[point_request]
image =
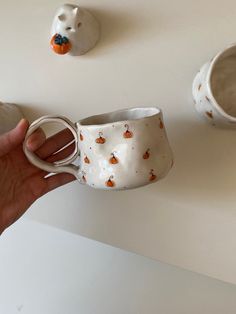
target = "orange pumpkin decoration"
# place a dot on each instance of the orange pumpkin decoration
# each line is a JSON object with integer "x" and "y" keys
{"x": 152, "y": 175}
{"x": 127, "y": 133}
{"x": 110, "y": 183}
{"x": 113, "y": 160}
{"x": 209, "y": 114}
{"x": 161, "y": 124}
{"x": 100, "y": 139}
{"x": 147, "y": 154}
{"x": 86, "y": 160}
{"x": 81, "y": 136}
{"x": 60, "y": 44}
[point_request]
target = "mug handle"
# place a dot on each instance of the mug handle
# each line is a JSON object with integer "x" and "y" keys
{"x": 63, "y": 165}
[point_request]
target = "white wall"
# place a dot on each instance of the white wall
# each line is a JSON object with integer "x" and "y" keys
{"x": 148, "y": 55}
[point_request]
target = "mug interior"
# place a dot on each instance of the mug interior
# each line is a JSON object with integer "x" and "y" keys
{"x": 121, "y": 115}
{"x": 223, "y": 81}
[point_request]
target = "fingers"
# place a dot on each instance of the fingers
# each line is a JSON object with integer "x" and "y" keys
{"x": 62, "y": 153}
{"x": 58, "y": 180}
{"x": 13, "y": 138}
{"x": 36, "y": 140}
{"x": 58, "y": 156}
{"x": 54, "y": 143}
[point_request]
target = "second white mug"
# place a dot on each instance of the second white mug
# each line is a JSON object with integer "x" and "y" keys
{"x": 214, "y": 89}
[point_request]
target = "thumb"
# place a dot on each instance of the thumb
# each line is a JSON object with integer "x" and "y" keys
{"x": 13, "y": 138}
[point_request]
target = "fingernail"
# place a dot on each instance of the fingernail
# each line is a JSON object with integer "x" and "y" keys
{"x": 22, "y": 123}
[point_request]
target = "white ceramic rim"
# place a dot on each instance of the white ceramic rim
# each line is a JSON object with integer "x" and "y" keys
{"x": 157, "y": 110}
{"x": 64, "y": 165}
{"x": 208, "y": 85}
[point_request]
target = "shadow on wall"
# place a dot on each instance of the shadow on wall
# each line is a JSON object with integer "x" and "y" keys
{"x": 119, "y": 27}
{"x": 204, "y": 169}
{"x": 32, "y": 113}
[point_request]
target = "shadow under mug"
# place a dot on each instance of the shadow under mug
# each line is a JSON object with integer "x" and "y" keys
{"x": 124, "y": 149}
{"x": 214, "y": 89}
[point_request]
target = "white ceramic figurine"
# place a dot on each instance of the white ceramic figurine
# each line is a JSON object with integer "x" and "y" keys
{"x": 74, "y": 30}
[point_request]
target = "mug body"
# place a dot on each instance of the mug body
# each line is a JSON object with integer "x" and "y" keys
{"x": 214, "y": 89}
{"x": 123, "y": 149}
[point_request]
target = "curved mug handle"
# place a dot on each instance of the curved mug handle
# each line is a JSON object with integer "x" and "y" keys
{"x": 58, "y": 166}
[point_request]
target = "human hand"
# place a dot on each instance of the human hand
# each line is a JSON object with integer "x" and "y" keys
{"x": 21, "y": 183}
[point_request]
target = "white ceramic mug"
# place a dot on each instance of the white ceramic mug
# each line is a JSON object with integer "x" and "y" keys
{"x": 214, "y": 89}
{"x": 119, "y": 150}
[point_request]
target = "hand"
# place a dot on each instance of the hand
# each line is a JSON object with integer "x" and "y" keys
{"x": 21, "y": 183}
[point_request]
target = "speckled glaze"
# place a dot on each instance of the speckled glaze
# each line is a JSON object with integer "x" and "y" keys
{"x": 214, "y": 89}
{"x": 74, "y": 30}
{"x": 121, "y": 150}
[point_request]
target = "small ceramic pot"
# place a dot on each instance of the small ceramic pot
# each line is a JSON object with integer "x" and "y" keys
{"x": 119, "y": 150}
{"x": 74, "y": 30}
{"x": 10, "y": 115}
{"x": 214, "y": 89}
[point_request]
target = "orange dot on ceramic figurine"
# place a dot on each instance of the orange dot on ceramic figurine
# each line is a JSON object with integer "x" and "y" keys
{"x": 147, "y": 154}
{"x": 61, "y": 45}
{"x": 110, "y": 183}
{"x": 152, "y": 176}
{"x": 86, "y": 160}
{"x": 127, "y": 133}
{"x": 100, "y": 139}
{"x": 113, "y": 160}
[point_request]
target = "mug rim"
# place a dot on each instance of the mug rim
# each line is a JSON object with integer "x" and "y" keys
{"x": 208, "y": 84}
{"x": 157, "y": 111}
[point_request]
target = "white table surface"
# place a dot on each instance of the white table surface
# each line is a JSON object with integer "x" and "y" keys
{"x": 50, "y": 271}
{"x": 148, "y": 55}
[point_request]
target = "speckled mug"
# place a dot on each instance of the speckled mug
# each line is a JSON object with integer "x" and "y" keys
{"x": 214, "y": 89}
{"x": 119, "y": 150}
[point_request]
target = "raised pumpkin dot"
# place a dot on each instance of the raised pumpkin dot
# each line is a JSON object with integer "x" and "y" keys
{"x": 147, "y": 154}
{"x": 152, "y": 176}
{"x": 113, "y": 160}
{"x": 127, "y": 134}
{"x": 100, "y": 139}
{"x": 110, "y": 183}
